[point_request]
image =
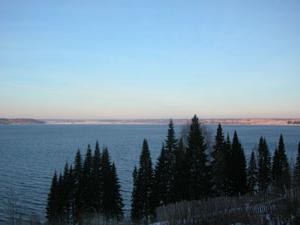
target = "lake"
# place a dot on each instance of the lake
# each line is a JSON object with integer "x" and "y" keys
{"x": 29, "y": 154}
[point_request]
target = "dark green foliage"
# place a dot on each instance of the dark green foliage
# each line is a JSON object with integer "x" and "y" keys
{"x": 86, "y": 189}
{"x": 51, "y": 209}
{"x": 143, "y": 188}
{"x": 238, "y": 167}
{"x": 116, "y": 210}
{"x": 281, "y": 169}
{"x": 165, "y": 170}
{"x": 181, "y": 173}
{"x": 161, "y": 177}
{"x": 252, "y": 174}
{"x": 97, "y": 180}
{"x": 87, "y": 181}
{"x": 297, "y": 168}
{"x": 170, "y": 148}
{"x": 264, "y": 165}
{"x": 78, "y": 201}
{"x": 136, "y": 201}
{"x": 219, "y": 163}
{"x": 111, "y": 199}
{"x": 199, "y": 183}
{"x": 228, "y": 187}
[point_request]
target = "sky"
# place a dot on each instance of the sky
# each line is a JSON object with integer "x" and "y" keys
{"x": 110, "y": 59}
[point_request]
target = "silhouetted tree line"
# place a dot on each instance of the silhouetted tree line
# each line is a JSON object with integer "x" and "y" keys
{"x": 188, "y": 170}
{"x": 89, "y": 186}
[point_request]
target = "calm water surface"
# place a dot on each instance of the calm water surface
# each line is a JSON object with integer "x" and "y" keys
{"x": 30, "y": 153}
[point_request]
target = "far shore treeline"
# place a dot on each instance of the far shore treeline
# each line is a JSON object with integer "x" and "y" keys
{"x": 186, "y": 169}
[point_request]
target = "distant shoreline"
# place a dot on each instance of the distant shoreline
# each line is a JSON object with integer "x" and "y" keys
{"x": 244, "y": 121}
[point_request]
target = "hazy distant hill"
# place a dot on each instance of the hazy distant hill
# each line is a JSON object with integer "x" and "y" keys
{"x": 152, "y": 121}
{"x": 20, "y": 121}
{"x": 178, "y": 121}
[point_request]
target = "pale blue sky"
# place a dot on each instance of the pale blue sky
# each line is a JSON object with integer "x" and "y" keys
{"x": 149, "y": 59}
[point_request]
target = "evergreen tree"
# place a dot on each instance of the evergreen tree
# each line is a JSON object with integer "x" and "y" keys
{"x": 297, "y": 168}
{"x": 52, "y": 202}
{"x": 144, "y": 186}
{"x": 199, "y": 177}
{"x": 161, "y": 179}
{"x": 170, "y": 149}
{"x": 165, "y": 170}
{"x": 181, "y": 173}
{"x": 281, "y": 168}
{"x": 97, "y": 180}
{"x": 228, "y": 171}
{"x": 78, "y": 201}
{"x": 112, "y": 205}
{"x": 87, "y": 182}
{"x": 66, "y": 191}
{"x": 136, "y": 199}
{"x": 252, "y": 174}
{"x": 61, "y": 199}
{"x": 106, "y": 176}
{"x": 264, "y": 165}
{"x": 239, "y": 174}
{"x": 218, "y": 163}
{"x": 116, "y": 210}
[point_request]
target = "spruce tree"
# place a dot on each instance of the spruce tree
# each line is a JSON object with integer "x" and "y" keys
{"x": 136, "y": 199}
{"x": 106, "y": 176}
{"x": 252, "y": 174}
{"x": 199, "y": 177}
{"x": 297, "y": 168}
{"x": 229, "y": 170}
{"x": 181, "y": 173}
{"x": 116, "y": 210}
{"x": 78, "y": 201}
{"x": 170, "y": 148}
{"x": 264, "y": 165}
{"x": 52, "y": 202}
{"x": 281, "y": 168}
{"x": 97, "y": 180}
{"x": 67, "y": 194}
{"x": 60, "y": 199}
{"x": 161, "y": 179}
{"x": 144, "y": 186}
{"x": 218, "y": 163}
{"x": 239, "y": 174}
{"x": 136, "y": 206}
{"x": 87, "y": 182}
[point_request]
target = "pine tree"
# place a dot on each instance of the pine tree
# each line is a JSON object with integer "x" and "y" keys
{"x": 252, "y": 174}
{"x": 219, "y": 163}
{"x": 52, "y": 202}
{"x": 78, "y": 201}
{"x": 60, "y": 199}
{"x": 144, "y": 186}
{"x": 181, "y": 173}
{"x": 161, "y": 179}
{"x": 239, "y": 174}
{"x": 116, "y": 198}
{"x": 199, "y": 177}
{"x": 106, "y": 176}
{"x": 264, "y": 166}
{"x": 281, "y": 168}
{"x": 66, "y": 194}
{"x": 170, "y": 148}
{"x": 297, "y": 168}
{"x": 97, "y": 180}
{"x": 229, "y": 170}
{"x": 87, "y": 182}
{"x": 136, "y": 198}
